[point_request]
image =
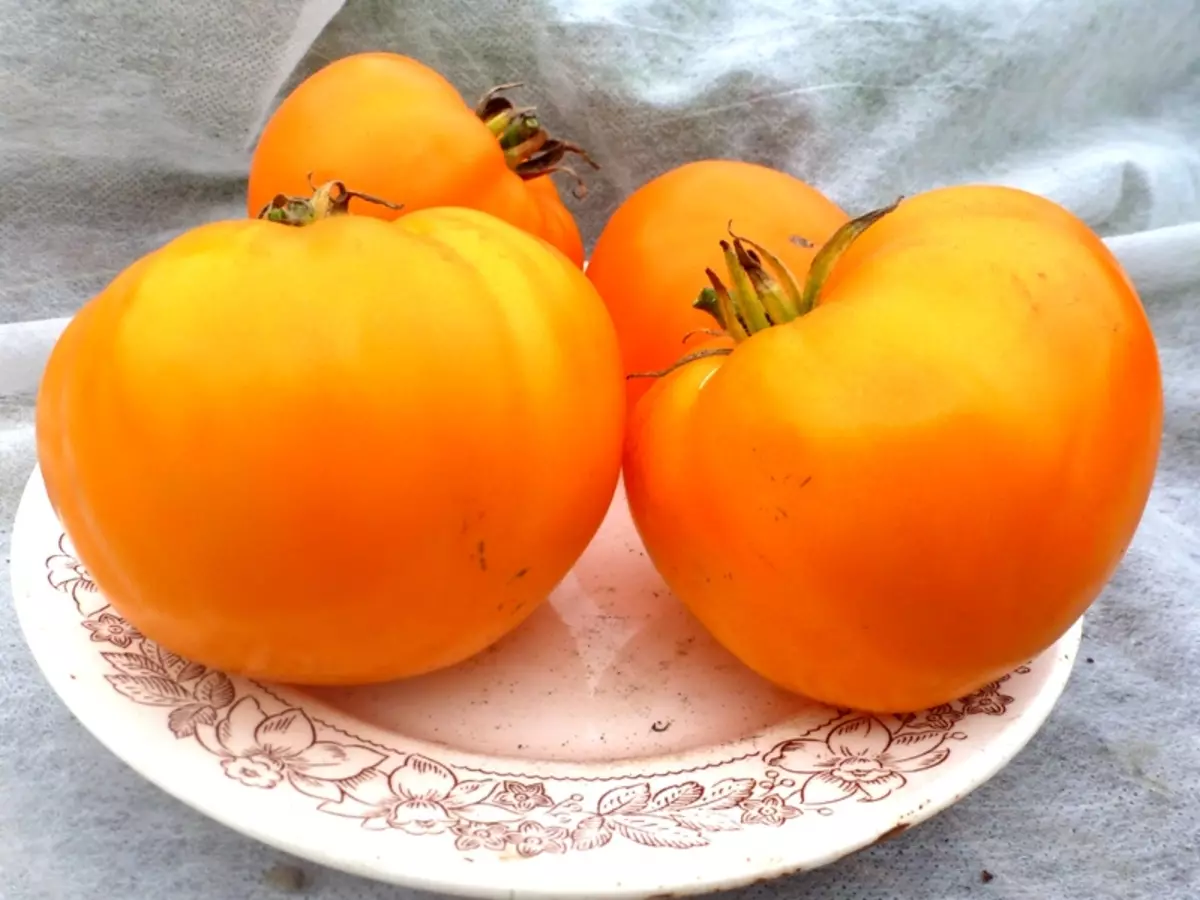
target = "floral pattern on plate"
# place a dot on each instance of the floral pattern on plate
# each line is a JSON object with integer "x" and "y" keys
{"x": 851, "y": 757}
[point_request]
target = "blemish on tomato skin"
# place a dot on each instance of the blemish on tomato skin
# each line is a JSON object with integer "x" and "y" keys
{"x": 481, "y": 555}
{"x": 521, "y": 573}
{"x": 807, "y": 479}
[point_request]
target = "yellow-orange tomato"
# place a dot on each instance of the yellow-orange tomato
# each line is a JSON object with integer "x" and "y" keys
{"x": 395, "y": 128}
{"x": 923, "y": 482}
{"x": 345, "y": 452}
{"x": 649, "y": 261}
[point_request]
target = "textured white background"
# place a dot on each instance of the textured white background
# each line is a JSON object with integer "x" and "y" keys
{"x": 123, "y": 122}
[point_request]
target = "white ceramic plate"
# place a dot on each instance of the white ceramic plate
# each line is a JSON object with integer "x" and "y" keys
{"x": 609, "y": 748}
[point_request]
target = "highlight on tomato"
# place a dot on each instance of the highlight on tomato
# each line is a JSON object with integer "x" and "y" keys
{"x": 393, "y": 127}
{"x": 324, "y": 448}
{"x": 649, "y": 261}
{"x": 888, "y": 484}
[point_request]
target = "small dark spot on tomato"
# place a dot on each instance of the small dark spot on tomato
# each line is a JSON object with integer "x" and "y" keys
{"x": 660, "y": 727}
{"x": 521, "y": 573}
{"x": 807, "y": 479}
{"x": 1021, "y": 287}
{"x": 481, "y": 554}
{"x": 1041, "y": 275}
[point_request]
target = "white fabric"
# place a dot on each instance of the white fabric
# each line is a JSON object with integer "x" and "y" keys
{"x": 122, "y": 123}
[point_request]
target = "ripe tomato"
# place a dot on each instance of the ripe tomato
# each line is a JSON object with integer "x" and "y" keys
{"x": 923, "y": 482}
{"x": 649, "y": 261}
{"x": 392, "y": 127}
{"x": 347, "y": 452}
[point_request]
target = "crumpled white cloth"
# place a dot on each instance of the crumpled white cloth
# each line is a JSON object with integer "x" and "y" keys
{"x": 122, "y": 123}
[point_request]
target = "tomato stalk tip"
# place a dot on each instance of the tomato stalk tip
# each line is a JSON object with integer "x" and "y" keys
{"x": 827, "y": 257}
{"x": 682, "y": 361}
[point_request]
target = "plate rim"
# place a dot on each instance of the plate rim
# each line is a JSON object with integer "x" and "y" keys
{"x": 123, "y": 742}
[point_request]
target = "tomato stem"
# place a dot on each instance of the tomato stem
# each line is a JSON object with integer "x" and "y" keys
{"x": 529, "y": 150}
{"x": 329, "y": 199}
{"x": 766, "y": 294}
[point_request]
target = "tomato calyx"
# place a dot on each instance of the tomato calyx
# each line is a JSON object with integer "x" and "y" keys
{"x": 529, "y": 150}
{"x": 329, "y": 199}
{"x": 762, "y": 291}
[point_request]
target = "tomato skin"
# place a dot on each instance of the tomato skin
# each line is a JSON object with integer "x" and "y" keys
{"x": 387, "y": 125}
{"x": 648, "y": 263}
{"x": 897, "y": 498}
{"x": 342, "y": 453}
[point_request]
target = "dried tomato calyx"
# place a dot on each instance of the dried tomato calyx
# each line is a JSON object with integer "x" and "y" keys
{"x": 329, "y": 199}
{"x": 529, "y": 150}
{"x": 762, "y": 292}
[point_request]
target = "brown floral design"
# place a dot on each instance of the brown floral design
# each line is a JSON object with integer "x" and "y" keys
{"x": 65, "y": 573}
{"x": 988, "y": 700}
{"x": 260, "y": 750}
{"x": 480, "y": 835}
{"x": 109, "y": 628}
{"x": 769, "y": 810}
{"x": 860, "y": 758}
{"x": 521, "y": 797}
{"x": 852, "y": 756}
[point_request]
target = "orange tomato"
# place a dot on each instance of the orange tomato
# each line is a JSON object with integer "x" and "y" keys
{"x": 393, "y": 127}
{"x": 895, "y": 498}
{"x": 346, "y": 452}
{"x": 649, "y": 262}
